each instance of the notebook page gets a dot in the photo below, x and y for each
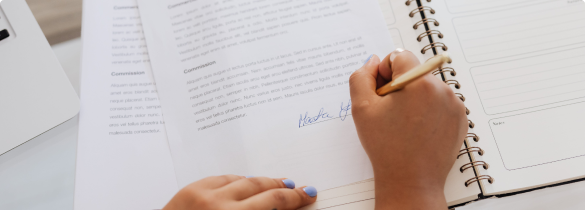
(520, 65)
(123, 159)
(261, 88)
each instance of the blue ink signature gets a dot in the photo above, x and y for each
(345, 110)
(306, 120)
(324, 115)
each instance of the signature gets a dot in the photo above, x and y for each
(323, 115)
(345, 110)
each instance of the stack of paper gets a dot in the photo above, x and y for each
(246, 87)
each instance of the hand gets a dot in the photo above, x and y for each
(411, 136)
(231, 192)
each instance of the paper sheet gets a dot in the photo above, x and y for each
(261, 87)
(123, 159)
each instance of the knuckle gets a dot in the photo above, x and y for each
(191, 193)
(279, 183)
(279, 196)
(359, 107)
(256, 181)
(354, 77)
(223, 179)
(429, 86)
(207, 202)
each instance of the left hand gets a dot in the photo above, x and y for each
(231, 192)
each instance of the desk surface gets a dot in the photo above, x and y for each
(40, 174)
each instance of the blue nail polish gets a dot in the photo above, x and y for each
(289, 183)
(311, 191)
(249, 176)
(372, 55)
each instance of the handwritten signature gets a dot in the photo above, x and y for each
(323, 115)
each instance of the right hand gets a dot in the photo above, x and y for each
(411, 136)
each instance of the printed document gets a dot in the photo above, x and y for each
(123, 159)
(261, 87)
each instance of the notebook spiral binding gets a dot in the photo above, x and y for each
(433, 46)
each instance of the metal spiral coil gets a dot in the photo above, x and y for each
(455, 83)
(473, 164)
(420, 9)
(410, 1)
(470, 150)
(434, 45)
(460, 96)
(428, 22)
(472, 135)
(428, 33)
(425, 21)
(478, 178)
(445, 70)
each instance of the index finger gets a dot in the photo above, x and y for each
(397, 63)
(281, 199)
(362, 83)
(245, 188)
(214, 182)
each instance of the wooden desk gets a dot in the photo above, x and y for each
(60, 20)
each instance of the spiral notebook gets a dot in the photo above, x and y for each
(519, 67)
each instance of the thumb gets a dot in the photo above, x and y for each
(397, 63)
(362, 83)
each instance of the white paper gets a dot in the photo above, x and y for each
(261, 87)
(521, 69)
(123, 159)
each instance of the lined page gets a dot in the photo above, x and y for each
(459, 6)
(123, 159)
(514, 32)
(520, 66)
(540, 80)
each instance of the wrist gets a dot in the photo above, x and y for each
(400, 198)
(409, 194)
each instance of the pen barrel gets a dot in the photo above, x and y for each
(414, 74)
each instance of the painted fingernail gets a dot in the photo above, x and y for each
(289, 183)
(395, 53)
(249, 176)
(370, 57)
(311, 191)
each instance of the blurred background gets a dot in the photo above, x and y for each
(60, 20)
(40, 175)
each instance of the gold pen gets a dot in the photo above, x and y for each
(414, 74)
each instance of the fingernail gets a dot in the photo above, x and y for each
(370, 57)
(311, 191)
(289, 183)
(249, 176)
(395, 53)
